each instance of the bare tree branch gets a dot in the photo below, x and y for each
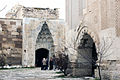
(3, 8)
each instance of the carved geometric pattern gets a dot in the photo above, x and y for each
(45, 34)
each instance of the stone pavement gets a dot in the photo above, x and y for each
(31, 74)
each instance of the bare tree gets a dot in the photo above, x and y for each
(102, 50)
(3, 8)
(62, 62)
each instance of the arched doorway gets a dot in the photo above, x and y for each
(45, 40)
(40, 54)
(87, 55)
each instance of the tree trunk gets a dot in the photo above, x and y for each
(99, 72)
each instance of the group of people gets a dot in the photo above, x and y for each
(46, 63)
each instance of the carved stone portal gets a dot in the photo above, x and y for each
(45, 41)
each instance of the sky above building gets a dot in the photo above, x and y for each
(8, 4)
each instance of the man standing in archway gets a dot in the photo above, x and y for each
(44, 64)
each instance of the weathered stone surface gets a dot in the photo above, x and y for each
(18, 44)
(43, 13)
(2, 22)
(12, 23)
(14, 60)
(14, 33)
(10, 40)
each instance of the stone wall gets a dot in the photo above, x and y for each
(11, 40)
(73, 12)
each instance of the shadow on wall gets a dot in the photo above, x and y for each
(85, 64)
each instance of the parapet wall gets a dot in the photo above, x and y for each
(20, 12)
(40, 13)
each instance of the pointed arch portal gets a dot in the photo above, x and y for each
(44, 45)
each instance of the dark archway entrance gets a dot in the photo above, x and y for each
(40, 54)
(87, 55)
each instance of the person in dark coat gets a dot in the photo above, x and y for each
(54, 63)
(46, 64)
(51, 64)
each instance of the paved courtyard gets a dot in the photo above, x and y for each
(31, 74)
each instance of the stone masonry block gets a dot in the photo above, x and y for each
(2, 22)
(12, 23)
(14, 33)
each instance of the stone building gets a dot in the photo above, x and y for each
(97, 30)
(28, 34)
(92, 27)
